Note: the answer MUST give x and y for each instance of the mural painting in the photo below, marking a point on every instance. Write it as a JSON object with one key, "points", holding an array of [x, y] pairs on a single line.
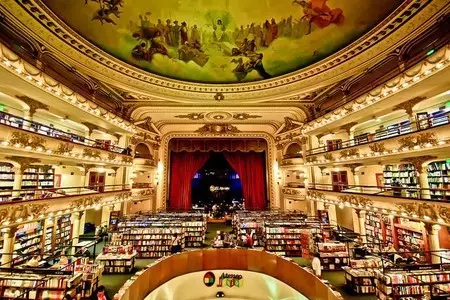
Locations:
{"points": [[221, 41]]}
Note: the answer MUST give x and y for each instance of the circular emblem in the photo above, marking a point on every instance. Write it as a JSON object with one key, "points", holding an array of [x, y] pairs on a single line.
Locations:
{"points": [[209, 279]]}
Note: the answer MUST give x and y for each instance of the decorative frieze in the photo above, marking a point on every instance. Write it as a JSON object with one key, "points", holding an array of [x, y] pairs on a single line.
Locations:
{"points": [[328, 156], [91, 153], [377, 147], [26, 140], [218, 129], [64, 148], [358, 201], [418, 140], [349, 153]]}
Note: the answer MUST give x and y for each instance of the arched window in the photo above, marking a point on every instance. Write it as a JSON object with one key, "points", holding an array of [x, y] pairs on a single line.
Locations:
{"points": [[294, 150], [142, 151]]}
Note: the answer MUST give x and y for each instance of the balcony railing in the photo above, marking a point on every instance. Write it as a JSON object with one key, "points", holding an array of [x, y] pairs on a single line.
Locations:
{"points": [[401, 129], [143, 155], [14, 196], [442, 195], [38, 128]]}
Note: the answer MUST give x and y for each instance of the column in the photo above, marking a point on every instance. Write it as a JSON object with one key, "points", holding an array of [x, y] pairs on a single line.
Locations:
{"points": [[46, 225], [82, 222], [332, 214], [17, 185], [8, 247], [105, 215], [124, 208], [27, 116], [362, 224], [75, 228], [433, 236], [423, 182]]}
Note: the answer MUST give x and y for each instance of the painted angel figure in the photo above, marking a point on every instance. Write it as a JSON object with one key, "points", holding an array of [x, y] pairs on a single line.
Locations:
{"points": [[317, 12]]}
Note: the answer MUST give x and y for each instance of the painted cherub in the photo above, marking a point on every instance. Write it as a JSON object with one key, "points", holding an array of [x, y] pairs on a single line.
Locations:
{"points": [[317, 12]]}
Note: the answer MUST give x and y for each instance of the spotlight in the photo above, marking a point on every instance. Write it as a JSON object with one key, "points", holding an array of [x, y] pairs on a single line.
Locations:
{"points": [[220, 295]]}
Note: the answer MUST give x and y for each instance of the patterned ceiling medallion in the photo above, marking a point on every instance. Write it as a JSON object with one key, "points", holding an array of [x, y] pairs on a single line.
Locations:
{"points": [[245, 116], [218, 116]]}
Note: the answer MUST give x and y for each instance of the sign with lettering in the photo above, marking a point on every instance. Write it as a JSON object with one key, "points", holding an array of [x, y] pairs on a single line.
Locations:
{"points": [[230, 280], [209, 279]]}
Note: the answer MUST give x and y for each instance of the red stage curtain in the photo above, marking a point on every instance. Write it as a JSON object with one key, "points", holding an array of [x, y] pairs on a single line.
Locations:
{"points": [[251, 171], [183, 167]]}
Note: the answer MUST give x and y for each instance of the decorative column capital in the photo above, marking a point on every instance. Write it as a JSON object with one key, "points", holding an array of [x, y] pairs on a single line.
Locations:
{"points": [[33, 104], [418, 161], [360, 213], [348, 126], [24, 162], [408, 105]]}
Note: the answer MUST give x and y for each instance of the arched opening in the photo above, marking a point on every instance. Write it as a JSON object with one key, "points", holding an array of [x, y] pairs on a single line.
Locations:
{"points": [[293, 151], [216, 187], [142, 151]]}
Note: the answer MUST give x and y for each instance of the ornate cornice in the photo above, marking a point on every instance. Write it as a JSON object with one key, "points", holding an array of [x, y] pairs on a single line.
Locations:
{"points": [[192, 116], [245, 116], [24, 162], [218, 129], [46, 27], [33, 104], [408, 105]]}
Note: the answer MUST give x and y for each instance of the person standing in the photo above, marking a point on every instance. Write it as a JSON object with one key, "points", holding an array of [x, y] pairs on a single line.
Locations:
{"points": [[100, 294], [175, 246], [316, 265]]}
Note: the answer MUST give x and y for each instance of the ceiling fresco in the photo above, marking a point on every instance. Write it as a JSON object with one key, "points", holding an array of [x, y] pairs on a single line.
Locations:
{"points": [[221, 41]]}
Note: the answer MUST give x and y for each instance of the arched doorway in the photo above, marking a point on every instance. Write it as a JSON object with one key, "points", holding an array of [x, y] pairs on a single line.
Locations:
{"points": [[216, 187], [142, 151]]}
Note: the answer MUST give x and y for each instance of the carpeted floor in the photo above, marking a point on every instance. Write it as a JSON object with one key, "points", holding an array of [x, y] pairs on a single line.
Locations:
{"points": [[113, 283]]}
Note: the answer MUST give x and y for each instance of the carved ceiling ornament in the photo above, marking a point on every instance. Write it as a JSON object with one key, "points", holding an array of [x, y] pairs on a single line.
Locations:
{"points": [[142, 137], [87, 167], [348, 126], [420, 140], [24, 162], [290, 124], [355, 200], [245, 116], [33, 104], [91, 127], [349, 153], [353, 167], [64, 148], [315, 195], [218, 129], [14, 213], [420, 210], [418, 161], [85, 201], [192, 116], [408, 105]]}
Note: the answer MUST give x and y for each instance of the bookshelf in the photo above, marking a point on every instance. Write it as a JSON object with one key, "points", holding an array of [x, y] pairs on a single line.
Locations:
{"points": [[439, 178], [38, 177], [6, 181], [360, 275], [374, 230], [27, 242], [63, 233], [91, 274], [333, 256], [195, 232], [154, 240], [412, 284], [388, 229], [407, 177], [284, 239], [117, 259], [409, 238], [48, 238]]}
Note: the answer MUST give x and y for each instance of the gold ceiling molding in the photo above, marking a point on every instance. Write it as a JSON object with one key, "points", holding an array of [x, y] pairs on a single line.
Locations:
{"points": [[85, 202], [426, 211], [86, 167], [124, 196], [46, 27], [418, 140], [192, 116], [315, 195], [16, 213], [353, 167], [424, 69], [245, 116], [33, 104], [377, 147], [64, 148], [218, 129], [408, 105]]}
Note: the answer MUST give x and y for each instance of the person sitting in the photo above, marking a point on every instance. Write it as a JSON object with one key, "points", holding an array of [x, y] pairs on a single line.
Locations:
{"points": [[100, 294], [83, 252]]}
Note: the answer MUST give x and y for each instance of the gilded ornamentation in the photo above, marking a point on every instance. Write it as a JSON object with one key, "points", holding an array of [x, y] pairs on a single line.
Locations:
{"points": [[303, 140], [146, 192], [192, 116], [123, 196], [149, 162], [290, 124], [218, 129], [64, 148], [245, 116], [219, 96], [127, 159], [420, 139], [91, 127], [112, 156], [315, 194], [280, 146], [328, 156], [348, 126], [24, 162], [444, 214], [355, 200], [377, 147], [33, 104], [311, 159], [35, 210], [418, 161], [91, 153], [293, 192], [86, 167], [25, 140], [86, 201], [349, 153], [353, 167], [408, 105], [420, 210]]}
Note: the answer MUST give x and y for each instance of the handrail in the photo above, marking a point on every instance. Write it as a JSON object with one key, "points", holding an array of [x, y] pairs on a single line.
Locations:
{"points": [[48, 193], [408, 192], [146, 156], [37, 128], [226, 259], [419, 125]]}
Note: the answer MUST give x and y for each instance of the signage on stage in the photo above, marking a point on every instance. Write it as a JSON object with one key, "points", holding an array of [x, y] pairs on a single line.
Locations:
{"points": [[225, 280]]}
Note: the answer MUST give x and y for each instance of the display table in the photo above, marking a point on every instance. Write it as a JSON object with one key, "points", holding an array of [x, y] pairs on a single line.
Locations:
{"points": [[115, 263]]}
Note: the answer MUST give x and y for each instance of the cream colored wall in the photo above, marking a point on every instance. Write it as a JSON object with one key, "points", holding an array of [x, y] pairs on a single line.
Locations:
{"points": [[93, 216], [367, 174], [67, 179], [341, 135], [345, 217], [290, 204], [103, 136]]}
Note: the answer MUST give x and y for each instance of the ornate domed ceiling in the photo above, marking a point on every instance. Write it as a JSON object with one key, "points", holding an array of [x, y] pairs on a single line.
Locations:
{"points": [[221, 41]]}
